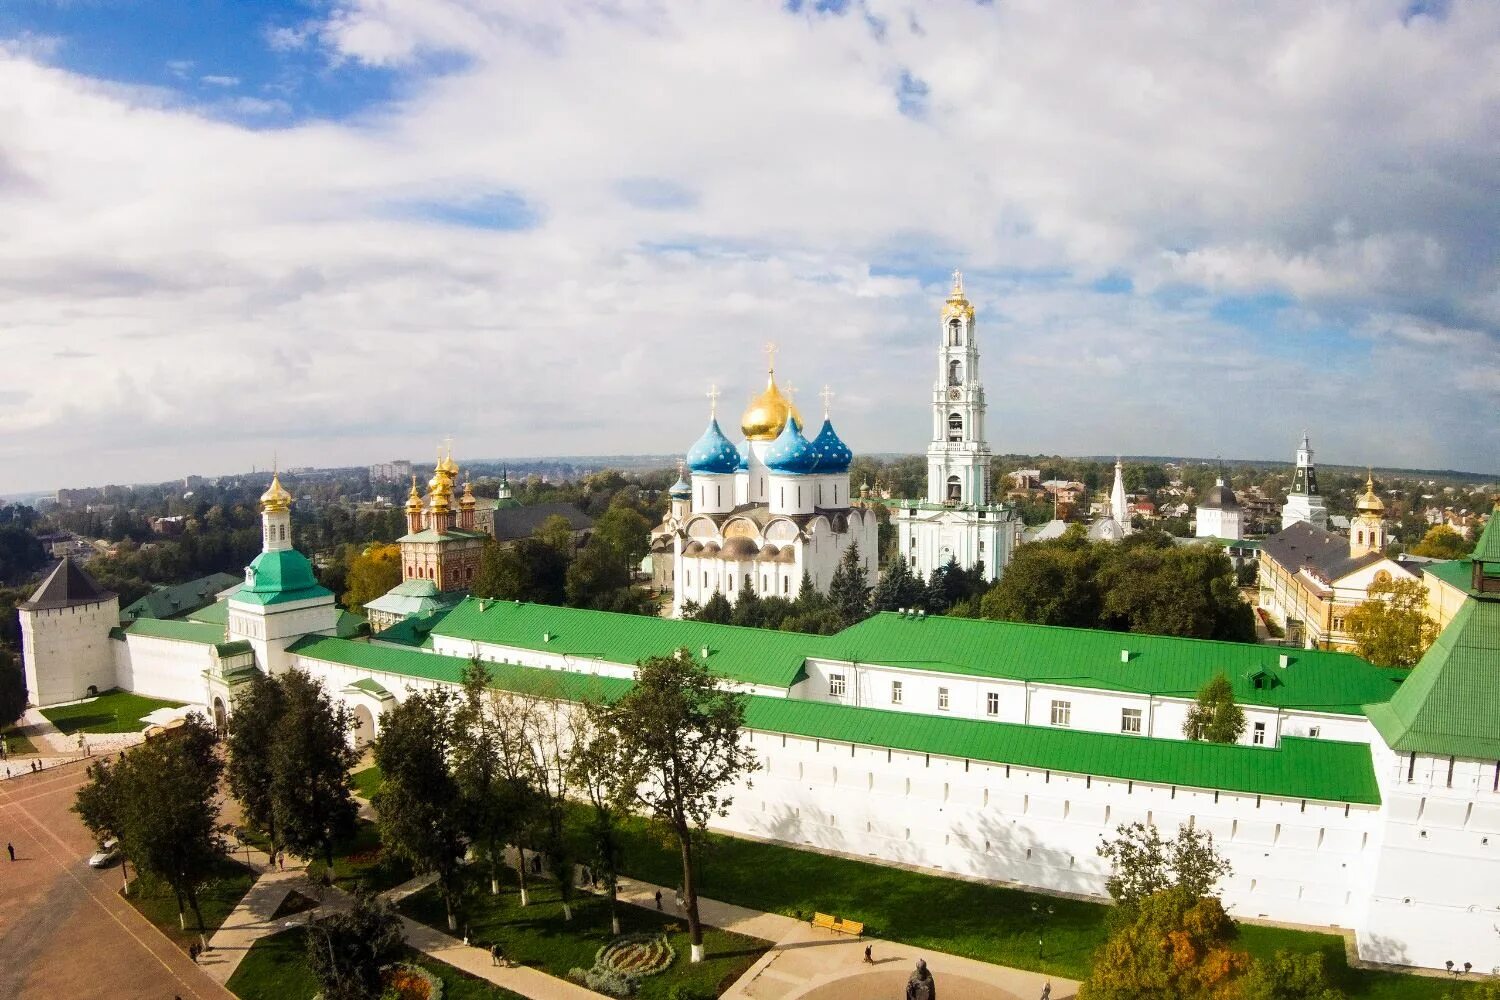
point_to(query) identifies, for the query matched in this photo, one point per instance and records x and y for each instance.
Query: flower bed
(620, 965)
(411, 982)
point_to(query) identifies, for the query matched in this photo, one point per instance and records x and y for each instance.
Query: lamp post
(1042, 915)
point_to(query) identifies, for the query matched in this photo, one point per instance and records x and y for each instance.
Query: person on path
(495, 953)
(658, 899)
(10, 849)
(1047, 991)
(868, 959)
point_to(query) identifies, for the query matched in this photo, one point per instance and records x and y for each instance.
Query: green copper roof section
(1487, 549)
(179, 599)
(1299, 768)
(752, 656)
(216, 613)
(1451, 703)
(279, 578)
(1164, 666)
(1455, 572)
(372, 687)
(179, 631)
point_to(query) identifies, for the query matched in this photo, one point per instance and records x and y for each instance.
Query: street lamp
(1041, 916)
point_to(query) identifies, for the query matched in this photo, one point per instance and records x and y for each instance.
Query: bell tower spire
(958, 459)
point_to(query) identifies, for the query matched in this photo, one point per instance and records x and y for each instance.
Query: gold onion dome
(767, 413)
(467, 499)
(413, 499)
(1369, 502)
(958, 305)
(275, 498)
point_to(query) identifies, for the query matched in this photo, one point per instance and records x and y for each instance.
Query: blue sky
(563, 221)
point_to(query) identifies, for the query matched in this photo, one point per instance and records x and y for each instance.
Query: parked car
(107, 854)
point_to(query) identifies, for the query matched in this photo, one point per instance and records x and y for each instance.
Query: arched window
(955, 333)
(955, 489)
(955, 427)
(955, 373)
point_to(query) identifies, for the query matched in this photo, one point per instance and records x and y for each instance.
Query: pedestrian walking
(281, 860)
(10, 849)
(193, 952)
(495, 954)
(1047, 992)
(658, 899)
(869, 960)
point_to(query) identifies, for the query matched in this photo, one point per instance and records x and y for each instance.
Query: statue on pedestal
(920, 986)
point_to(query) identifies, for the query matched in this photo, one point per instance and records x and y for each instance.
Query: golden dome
(957, 305)
(275, 498)
(449, 467)
(467, 500)
(414, 499)
(1369, 503)
(766, 415)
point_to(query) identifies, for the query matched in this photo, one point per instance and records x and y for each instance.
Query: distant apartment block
(388, 472)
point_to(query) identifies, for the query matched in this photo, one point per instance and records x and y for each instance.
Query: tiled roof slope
(1455, 572)
(1451, 703)
(1313, 769)
(1160, 665)
(179, 599)
(65, 587)
(182, 631)
(753, 656)
(1303, 544)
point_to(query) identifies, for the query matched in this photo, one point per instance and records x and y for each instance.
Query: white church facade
(985, 749)
(957, 520)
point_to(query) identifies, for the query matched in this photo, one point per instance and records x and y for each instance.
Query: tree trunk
(521, 872)
(614, 904)
(690, 893)
(567, 912)
(448, 905)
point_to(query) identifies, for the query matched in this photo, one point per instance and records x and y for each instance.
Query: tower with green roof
(1436, 867)
(281, 599)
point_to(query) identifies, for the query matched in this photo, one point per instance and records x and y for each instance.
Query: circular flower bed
(636, 955)
(411, 982)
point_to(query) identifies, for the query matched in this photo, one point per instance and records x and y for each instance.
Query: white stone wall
(1435, 878)
(65, 650)
(165, 668)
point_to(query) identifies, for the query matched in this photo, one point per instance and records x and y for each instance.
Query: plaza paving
(64, 929)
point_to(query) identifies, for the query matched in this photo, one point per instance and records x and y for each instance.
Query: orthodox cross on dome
(679, 468)
(827, 395)
(713, 395)
(771, 350)
(790, 392)
(958, 284)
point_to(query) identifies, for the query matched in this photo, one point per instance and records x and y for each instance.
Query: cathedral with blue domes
(758, 516)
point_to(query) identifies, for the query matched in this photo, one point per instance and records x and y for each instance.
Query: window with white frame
(942, 699)
(1258, 734)
(836, 685)
(1130, 720)
(895, 692)
(1062, 713)
(992, 703)
(1314, 732)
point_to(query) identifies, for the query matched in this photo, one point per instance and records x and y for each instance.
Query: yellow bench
(841, 926)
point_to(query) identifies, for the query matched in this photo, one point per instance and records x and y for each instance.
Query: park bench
(838, 924)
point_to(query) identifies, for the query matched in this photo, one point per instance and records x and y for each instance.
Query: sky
(334, 232)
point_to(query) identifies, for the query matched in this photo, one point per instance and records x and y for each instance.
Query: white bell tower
(958, 460)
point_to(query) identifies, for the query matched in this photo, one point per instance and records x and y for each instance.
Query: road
(64, 929)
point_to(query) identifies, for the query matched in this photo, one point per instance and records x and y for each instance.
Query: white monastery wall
(170, 668)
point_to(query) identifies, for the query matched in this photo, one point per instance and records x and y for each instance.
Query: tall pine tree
(848, 593)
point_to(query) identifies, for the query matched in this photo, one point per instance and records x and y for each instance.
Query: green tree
(716, 610)
(168, 811)
(348, 950)
(1391, 628)
(624, 531)
(1442, 542)
(419, 803)
(1152, 585)
(680, 732)
(1048, 583)
(312, 804)
(597, 761)
(489, 800)
(100, 804)
(1173, 945)
(1142, 863)
(557, 534)
(1214, 717)
(596, 573)
(848, 591)
(898, 588)
(1287, 976)
(12, 688)
(253, 731)
(372, 573)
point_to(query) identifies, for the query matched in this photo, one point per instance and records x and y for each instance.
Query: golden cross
(827, 395)
(771, 357)
(713, 400)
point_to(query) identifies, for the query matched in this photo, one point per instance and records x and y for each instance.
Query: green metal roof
(179, 599)
(1457, 573)
(216, 613)
(1314, 769)
(236, 648)
(1487, 549)
(373, 687)
(753, 656)
(1451, 703)
(181, 631)
(350, 625)
(1315, 680)
(279, 578)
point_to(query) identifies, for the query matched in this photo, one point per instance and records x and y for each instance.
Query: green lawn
(365, 782)
(275, 968)
(111, 712)
(362, 861)
(538, 936)
(157, 903)
(16, 744)
(985, 922)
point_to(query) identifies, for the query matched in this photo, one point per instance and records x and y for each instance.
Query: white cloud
(244, 290)
(216, 80)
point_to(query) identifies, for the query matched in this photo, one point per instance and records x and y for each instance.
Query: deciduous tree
(1442, 542)
(12, 688)
(598, 762)
(419, 803)
(311, 800)
(253, 730)
(1143, 863)
(680, 733)
(1048, 583)
(1172, 945)
(1214, 717)
(1391, 627)
(490, 801)
(347, 951)
(372, 573)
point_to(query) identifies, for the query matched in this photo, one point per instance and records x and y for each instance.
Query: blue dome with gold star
(833, 454)
(791, 453)
(713, 454)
